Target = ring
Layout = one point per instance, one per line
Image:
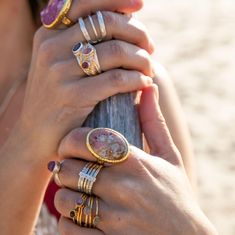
(87, 58)
(82, 214)
(101, 24)
(94, 29)
(55, 168)
(87, 177)
(107, 145)
(55, 13)
(84, 30)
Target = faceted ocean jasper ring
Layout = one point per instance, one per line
(55, 13)
(107, 145)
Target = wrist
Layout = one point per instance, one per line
(23, 147)
(201, 224)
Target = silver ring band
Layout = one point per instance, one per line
(102, 24)
(94, 29)
(84, 29)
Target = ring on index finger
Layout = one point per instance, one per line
(56, 13)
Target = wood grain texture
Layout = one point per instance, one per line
(119, 113)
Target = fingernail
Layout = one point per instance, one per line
(51, 166)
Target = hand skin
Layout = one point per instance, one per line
(51, 108)
(150, 193)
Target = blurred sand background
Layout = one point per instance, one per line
(196, 42)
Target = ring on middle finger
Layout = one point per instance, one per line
(87, 58)
(87, 177)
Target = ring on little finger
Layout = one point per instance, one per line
(107, 145)
(86, 211)
(55, 168)
(56, 13)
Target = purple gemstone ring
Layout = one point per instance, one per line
(87, 58)
(107, 145)
(55, 13)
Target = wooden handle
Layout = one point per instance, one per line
(119, 113)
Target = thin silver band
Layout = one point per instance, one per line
(84, 29)
(94, 29)
(102, 24)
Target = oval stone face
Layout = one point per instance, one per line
(108, 145)
(52, 11)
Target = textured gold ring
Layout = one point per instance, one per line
(107, 145)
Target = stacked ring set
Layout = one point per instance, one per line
(56, 13)
(108, 147)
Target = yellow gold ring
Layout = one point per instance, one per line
(107, 145)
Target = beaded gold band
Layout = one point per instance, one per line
(83, 214)
(87, 177)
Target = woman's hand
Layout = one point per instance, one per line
(147, 194)
(59, 96)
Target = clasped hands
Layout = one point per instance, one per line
(146, 194)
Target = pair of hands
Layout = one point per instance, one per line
(57, 99)
(150, 195)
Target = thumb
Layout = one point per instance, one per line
(154, 125)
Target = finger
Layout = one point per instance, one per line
(66, 200)
(108, 84)
(66, 226)
(74, 145)
(69, 176)
(111, 54)
(117, 25)
(82, 8)
(154, 126)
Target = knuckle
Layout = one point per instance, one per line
(39, 36)
(118, 78)
(58, 69)
(45, 52)
(109, 18)
(146, 62)
(116, 49)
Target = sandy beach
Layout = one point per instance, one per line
(195, 40)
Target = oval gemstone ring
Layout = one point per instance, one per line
(55, 13)
(107, 145)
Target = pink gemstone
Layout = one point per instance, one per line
(87, 50)
(51, 12)
(108, 144)
(85, 65)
